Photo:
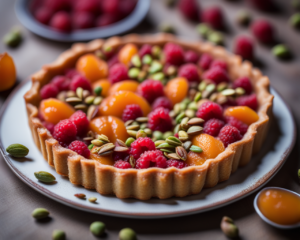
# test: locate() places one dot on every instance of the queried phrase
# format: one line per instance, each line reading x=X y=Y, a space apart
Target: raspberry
x=151 y=159
x=61 y=82
x=82 y=123
x=174 y=54
x=214 y=17
x=82 y=20
x=243 y=82
x=126 y=7
x=213 y=126
x=122 y=164
x=210 y=110
x=105 y=20
x=263 y=31
x=249 y=101
x=232 y=121
x=61 y=21
x=189 y=9
x=205 y=61
x=80 y=81
x=176 y=163
x=176 y=135
x=144 y=50
x=80 y=148
x=57 y=5
x=118 y=73
x=111 y=7
x=90 y=6
x=219 y=63
x=190 y=72
x=162 y=102
x=43 y=15
x=114 y=60
x=191 y=56
x=132 y=112
x=229 y=103
x=244 y=47
x=120 y=156
x=65 y=131
x=49 y=91
x=159 y=120
x=49 y=126
x=216 y=74
x=151 y=89
x=266 y=5
x=140 y=146
x=229 y=134
x=71 y=72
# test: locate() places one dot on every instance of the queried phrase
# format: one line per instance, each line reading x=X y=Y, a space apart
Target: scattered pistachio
x=17 y=150
x=71 y=94
x=58 y=235
x=171 y=70
x=210 y=87
x=196 y=149
x=187 y=145
x=213 y=97
x=197 y=96
x=193 y=106
x=106 y=147
x=202 y=86
x=97 y=228
x=133 y=127
x=97 y=100
x=190 y=113
x=221 y=86
x=229 y=228
x=129 y=122
x=133 y=72
x=91 y=146
x=136 y=61
x=106 y=153
x=103 y=138
x=243 y=17
x=173 y=141
x=80 y=195
x=240 y=91
x=13 y=38
x=159 y=142
x=295 y=20
x=280 y=51
x=158 y=76
x=155 y=67
x=142 y=76
x=85 y=93
x=92 y=199
x=156 y=51
x=147 y=59
x=148 y=131
x=142 y=119
x=181 y=153
x=166 y=150
x=81 y=107
x=165 y=145
x=228 y=92
x=167 y=28
x=129 y=141
x=40 y=213
x=97 y=142
x=121 y=149
x=183 y=124
x=127 y=234
x=167 y=134
x=91 y=112
x=89 y=100
x=172 y=156
x=79 y=92
x=44 y=177
x=180 y=117
x=141 y=133
x=177 y=128
x=216 y=38
x=203 y=29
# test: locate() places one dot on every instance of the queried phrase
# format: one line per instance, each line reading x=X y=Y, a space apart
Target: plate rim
x=265 y=179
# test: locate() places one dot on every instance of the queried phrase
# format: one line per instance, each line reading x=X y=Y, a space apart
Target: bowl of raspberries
x=80 y=20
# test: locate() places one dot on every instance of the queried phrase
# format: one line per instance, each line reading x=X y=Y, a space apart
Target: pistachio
x=193 y=106
x=173 y=141
x=196 y=149
x=206 y=94
x=135 y=123
x=165 y=145
x=103 y=138
x=183 y=123
x=158 y=142
x=221 y=99
x=106 y=147
x=197 y=96
x=228 y=92
x=97 y=228
x=133 y=72
x=202 y=86
x=141 y=133
x=142 y=119
x=97 y=100
x=229 y=228
x=172 y=156
x=17 y=150
x=82 y=107
x=295 y=20
x=121 y=149
x=91 y=146
x=92 y=199
x=195 y=121
x=73 y=100
x=158 y=76
x=167 y=28
x=180 y=117
x=89 y=100
x=281 y=51
x=167 y=134
x=133 y=127
x=58 y=235
x=40 y=213
x=243 y=17
x=213 y=97
x=298 y=173
x=71 y=94
x=96 y=150
x=166 y=150
x=203 y=29
x=132 y=161
x=172 y=114
x=148 y=131
x=132 y=133
x=194 y=130
x=142 y=76
x=97 y=142
x=147 y=59
x=222 y=86
x=187 y=145
x=79 y=92
x=136 y=61
x=129 y=122
x=156 y=51
x=98 y=91
x=92 y=112
x=216 y=38
x=177 y=108
x=183 y=136
x=121 y=143
x=127 y=234
x=80 y=195
x=13 y=38
x=155 y=67
x=44 y=176
x=129 y=141
x=181 y=152
x=171 y=70
x=62 y=96
x=177 y=128
x=106 y=153
x=240 y=91
x=210 y=87
x=190 y=113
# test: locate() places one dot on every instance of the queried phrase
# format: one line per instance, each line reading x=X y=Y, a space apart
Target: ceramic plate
x=262 y=167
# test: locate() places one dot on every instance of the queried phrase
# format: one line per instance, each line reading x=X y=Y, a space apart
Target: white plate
x=262 y=167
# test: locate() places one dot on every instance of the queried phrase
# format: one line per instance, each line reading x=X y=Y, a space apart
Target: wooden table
x=17 y=200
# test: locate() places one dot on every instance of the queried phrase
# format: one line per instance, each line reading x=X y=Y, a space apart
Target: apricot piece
x=126 y=53
x=105 y=160
x=242 y=113
x=211 y=147
x=127 y=85
x=105 y=84
x=54 y=110
x=92 y=67
x=7 y=72
x=114 y=105
x=176 y=89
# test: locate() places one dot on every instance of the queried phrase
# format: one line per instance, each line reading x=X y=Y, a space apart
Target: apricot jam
x=279 y=206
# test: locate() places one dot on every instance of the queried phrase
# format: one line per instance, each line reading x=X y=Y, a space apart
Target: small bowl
x=266 y=219
x=26 y=18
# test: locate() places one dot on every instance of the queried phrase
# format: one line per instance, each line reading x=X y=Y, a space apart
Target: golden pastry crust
x=153 y=182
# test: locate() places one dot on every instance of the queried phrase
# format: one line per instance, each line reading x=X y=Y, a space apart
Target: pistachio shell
x=173 y=141
x=129 y=122
x=106 y=153
x=228 y=92
x=142 y=119
x=141 y=133
x=133 y=127
x=121 y=143
x=40 y=213
x=44 y=176
x=165 y=145
x=121 y=149
x=79 y=92
x=181 y=152
x=103 y=138
x=73 y=100
x=167 y=134
x=97 y=142
x=17 y=150
x=106 y=147
x=194 y=130
x=132 y=133
x=173 y=156
x=187 y=145
x=157 y=143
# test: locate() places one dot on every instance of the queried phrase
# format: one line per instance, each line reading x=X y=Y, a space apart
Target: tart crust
x=152 y=182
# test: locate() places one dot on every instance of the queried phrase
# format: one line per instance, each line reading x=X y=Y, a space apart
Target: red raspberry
x=214 y=17
x=111 y=7
x=263 y=31
x=82 y=123
x=213 y=126
x=190 y=72
x=162 y=102
x=174 y=54
x=151 y=89
x=243 y=82
x=176 y=163
x=49 y=126
x=242 y=127
x=118 y=73
x=216 y=74
x=65 y=131
x=57 y=5
x=159 y=120
x=229 y=103
x=266 y=5
x=191 y=57
x=43 y=15
x=71 y=72
x=151 y=159
x=176 y=135
x=210 y=110
x=105 y=20
x=144 y=50
x=189 y=9
x=122 y=164
x=229 y=134
x=61 y=82
x=249 y=101
x=80 y=148
x=114 y=60
x=80 y=81
x=219 y=63
x=205 y=61
x=90 y=6
x=132 y=112
x=61 y=21
x=140 y=146
x=82 y=20
x=244 y=47
x=126 y=7
x=121 y=156
x=49 y=91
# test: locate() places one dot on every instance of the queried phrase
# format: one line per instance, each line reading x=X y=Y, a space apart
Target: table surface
x=17 y=200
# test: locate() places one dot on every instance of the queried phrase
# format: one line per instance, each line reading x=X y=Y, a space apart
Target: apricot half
x=127 y=85
x=242 y=113
x=7 y=72
x=126 y=53
x=105 y=84
x=176 y=89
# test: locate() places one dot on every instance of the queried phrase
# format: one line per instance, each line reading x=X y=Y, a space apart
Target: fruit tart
x=148 y=116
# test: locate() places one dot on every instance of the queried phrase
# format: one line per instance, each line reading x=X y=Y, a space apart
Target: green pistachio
x=133 y=72
x=97 y=100
x=298 y=173
x=129 y=141
x=17 y=150
x=171 y=70
x=13 y=38
x=58 y=235
x=203 y=29
x=197 y=96
x=91 y=146
x=98 y=91
x=202 y=86
x=158 y=76
x=187 y=145
x=143 y=126
x=127 y=234
x=166 y=150
x=156 y=51
x=243 y=17
x=216 y=38
x=229 y=228
x=44 y=176
x=193 y=106
x=167 y=134
x=180 y=117
x=177 y=128
x=295 y=20
x=97 y=228
x=147 y=59
x=157 y=143
x=167 y=28
x=155 y=67
x=40 y=213
x=221 y=86
x=190 y=113
x=157 y=135
x=173 y=141
x=196 y=149
x=141 y=133
x=210 y=87
x=136 y=61
x=165 y=145
x=280 y=51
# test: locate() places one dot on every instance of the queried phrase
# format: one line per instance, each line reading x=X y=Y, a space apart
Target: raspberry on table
x=162 y=102
x=151 y=89
x=43 y=15
x=219 y=63
x=243 y=82
x=49 y=126
x=176 y=163
x=244 y=47
x=82 y=20
x=151 y=159
x=65 y=131
x=132 y=112
x=160 y=120
x=209 y=110
x=145 y=49
x=263 y=31
x=80 y=148
x=229 y=134
x=80 y=81
x=216 y=74
x=189 y=9
x=249 y=101
x=213 y=126
x=82 y=123
x=49 y=91
x=190 y=72
x=191 y=56
x=61 y=21
x=232 y=121
x=122 y=164
x=105 y=20
x=214 y=17
x=118 y=73
x=140 y=146
x=61 y=82
x=174 y=54
x=90 y=6
x=205 y=61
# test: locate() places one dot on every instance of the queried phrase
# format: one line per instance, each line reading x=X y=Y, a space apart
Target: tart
x=148 y=116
